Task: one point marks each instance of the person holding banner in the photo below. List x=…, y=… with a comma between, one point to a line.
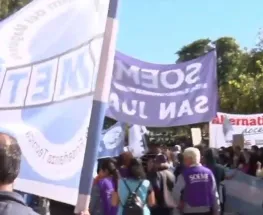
x=11, y=203
x=197, y=185
x=103, y=187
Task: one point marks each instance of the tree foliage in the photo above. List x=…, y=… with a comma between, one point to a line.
x=239, y=71
x=8, y=7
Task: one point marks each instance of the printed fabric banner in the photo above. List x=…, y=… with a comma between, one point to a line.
x=112, y=142
x=224, y=126
x=137, y=141
x=164, y=95
x=49, y=58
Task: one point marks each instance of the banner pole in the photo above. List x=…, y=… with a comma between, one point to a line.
x=100, y=101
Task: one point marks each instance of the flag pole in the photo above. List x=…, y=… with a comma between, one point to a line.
x=99, y=107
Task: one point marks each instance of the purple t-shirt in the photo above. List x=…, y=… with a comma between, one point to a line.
x=198, y=186
x=106, y=187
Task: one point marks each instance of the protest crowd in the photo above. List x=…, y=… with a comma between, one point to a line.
x=57, y=157
x=171, y=181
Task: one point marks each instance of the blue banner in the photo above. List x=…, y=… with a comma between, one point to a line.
x=112, y=142
x=244, y=194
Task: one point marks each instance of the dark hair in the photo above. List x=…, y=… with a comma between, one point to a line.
x=241, y=159
x=260, y=154
x=126, y=158
x=254, y=147
x=101, y=161
x=180, y=158
x=211, y=156
x=10, y=159
x=136, y=170
x=230, y=151
x=110, y=166
x=201, y=149
x=223, y=159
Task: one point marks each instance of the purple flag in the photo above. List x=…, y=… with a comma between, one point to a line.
x=163, y=95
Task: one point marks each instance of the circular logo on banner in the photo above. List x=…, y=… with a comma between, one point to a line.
x=52, y=136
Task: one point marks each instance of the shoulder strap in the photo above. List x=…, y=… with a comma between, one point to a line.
x=135, y=191
x=126, y=185
x=137, y=188
x=129, y=189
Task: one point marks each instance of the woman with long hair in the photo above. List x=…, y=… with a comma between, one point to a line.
x=136, y=183
x=103, y=187
x=125, y=159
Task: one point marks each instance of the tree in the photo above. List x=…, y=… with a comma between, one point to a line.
x=194, y=50
x=243, y=95
x=228, y=60
x=244, y=92
x=229, y=57
x=228, y=54
x=8, y=7
x=240, y=73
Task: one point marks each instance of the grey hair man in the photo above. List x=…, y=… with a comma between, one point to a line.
x=197, y=186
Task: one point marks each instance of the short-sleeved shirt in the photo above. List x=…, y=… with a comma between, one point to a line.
x=142, y=192
x=101, y=195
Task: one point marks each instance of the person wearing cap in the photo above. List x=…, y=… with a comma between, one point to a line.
x=197, y=186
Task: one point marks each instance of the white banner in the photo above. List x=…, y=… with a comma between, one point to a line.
x=137, y=145
x=49, y=59
x=196, y=134
x=224, y=126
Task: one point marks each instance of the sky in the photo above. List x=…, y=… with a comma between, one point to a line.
x=153, y=30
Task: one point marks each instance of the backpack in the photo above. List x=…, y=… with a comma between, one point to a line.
x=133, y=204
